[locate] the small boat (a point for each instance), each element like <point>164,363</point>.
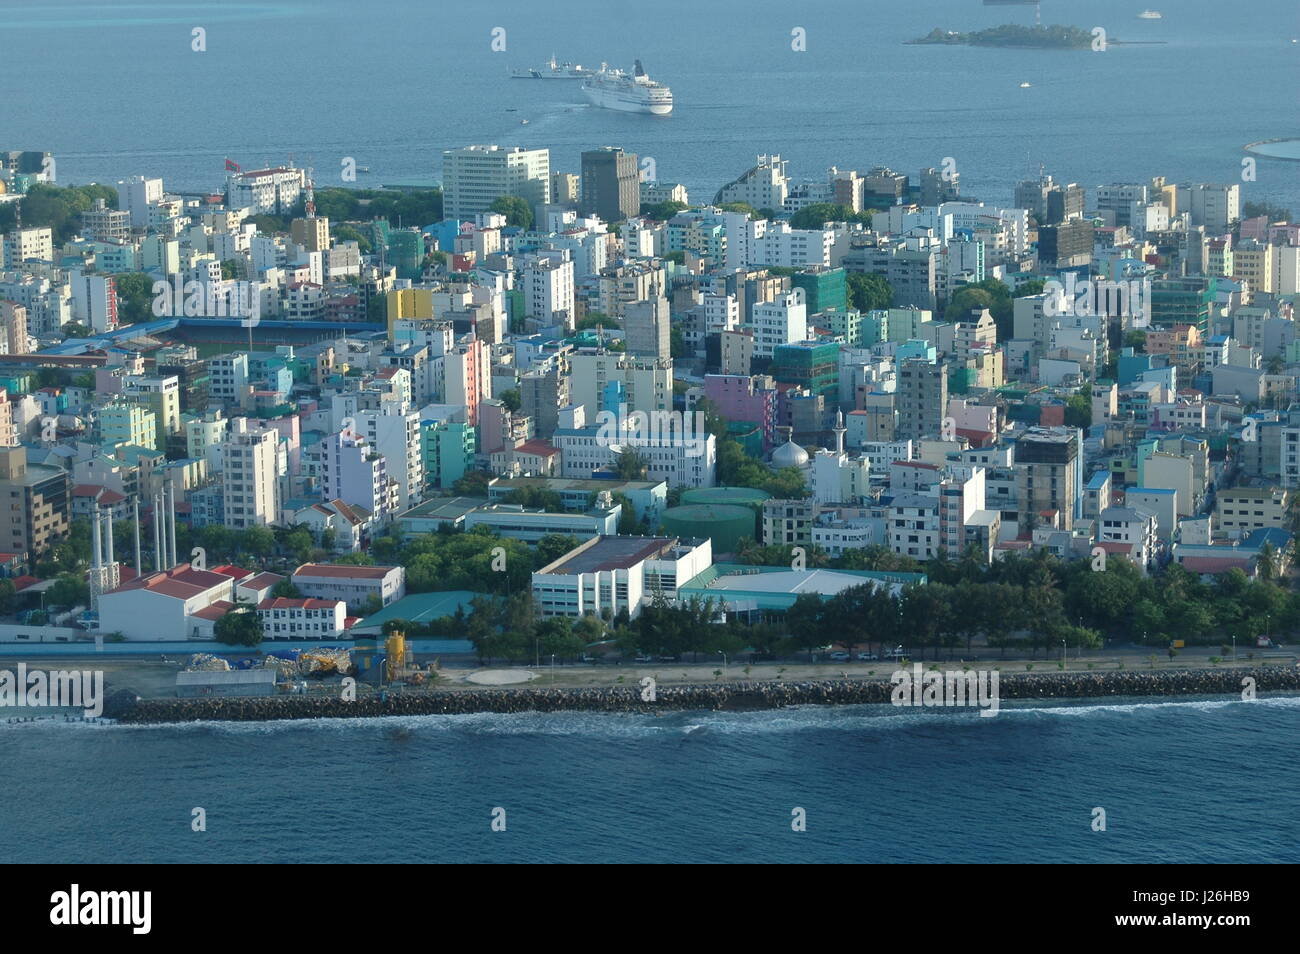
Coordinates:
<point>1026,85</point>
<point>511,109</point>
<point>523,122</point>
<point>1150,15</point>
<point>554,70</point>
<point>363,168</point>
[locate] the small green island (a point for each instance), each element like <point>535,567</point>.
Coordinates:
<point>1011,35</point>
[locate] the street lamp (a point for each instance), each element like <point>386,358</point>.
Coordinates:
<point>552,669</point>
<point>724,661</point>
<point>1062,650</point>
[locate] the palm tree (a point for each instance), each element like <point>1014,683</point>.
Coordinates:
<point>631,464</point>
<point>1268,562</point>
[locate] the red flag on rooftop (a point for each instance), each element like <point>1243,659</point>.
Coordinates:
<point>233,166</point>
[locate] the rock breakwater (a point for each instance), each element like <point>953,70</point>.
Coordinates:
<point>124,707</point>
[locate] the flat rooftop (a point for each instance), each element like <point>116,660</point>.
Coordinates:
<point>609,553</point>
<point>573,483</point>
<point>445,508</point>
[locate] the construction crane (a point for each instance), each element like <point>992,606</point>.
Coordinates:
<point>309,204</point>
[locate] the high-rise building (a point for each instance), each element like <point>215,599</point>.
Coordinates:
<point>883,187</point>
<point>39,500</point>
<point>1214,206</point>
<point>547,284</point>
<point>13,328</point>
<point>566,188</point>
<point>1067,244</point>
<point>473,177</point>
<point>22,245</point>
<point>1123,200</point>
<point>921,399</point>
<point>94,300</point>
<point>1064,203</point>
<point>137,196</point>
<point>764,186</point>
<point>128,422</point>
<point>312,234</point>
<point>647,328</point>
<point>250,482</point>
<point>809,364</point>
<point>228,380</point>
<point>611,184</point>
<point>265,191</point>
<point>352,471</point>
<point>779,322</point>
<point>542,394</point>
<point>395,433</point>
<point>102,224</point>
<point>1047,478</point>
<point>937,187</point>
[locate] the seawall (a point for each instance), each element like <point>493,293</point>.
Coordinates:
<point>123,706</point>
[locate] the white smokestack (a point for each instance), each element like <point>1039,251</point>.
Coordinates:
<point>96,547</point>
<point>157,534</point>
<point>171,521</point>
<point>138,568</point>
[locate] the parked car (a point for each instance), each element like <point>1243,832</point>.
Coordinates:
<point>867,657</point>
<point>644,658</point>
<point>840,656</point>
<point>895,653</point>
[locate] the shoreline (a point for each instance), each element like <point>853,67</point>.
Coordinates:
<point>124,707</point>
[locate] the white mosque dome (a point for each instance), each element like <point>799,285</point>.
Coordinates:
<point>789,454</point>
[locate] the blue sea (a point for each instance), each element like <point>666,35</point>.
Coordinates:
<point>115,88</point>
<point>1179,781</point>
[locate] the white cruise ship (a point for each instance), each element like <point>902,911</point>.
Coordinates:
<point>634,93</point>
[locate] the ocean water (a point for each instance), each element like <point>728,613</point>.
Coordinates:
<point>114,89</point>
<point>1180,781</point>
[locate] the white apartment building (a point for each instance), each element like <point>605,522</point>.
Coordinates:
<point>678,462</point>
<point>250,485</point>
<point>646,383</point>
<point>284,618</point>
<point>913,526</point>
<point>474,177</point>
<point>352,584</point>
<point>395,433</point>
<point>20,245</point>
<point>1212,205</point>
<point>265,191</point>
<point>779,322</point>
<point>228,378</point>
<point>137,196</point>
<point>350,470</point>
<point>610,573</point>
<point>547,286</point>
<point>759,242</point>
<point>1134,528</point>
<point>765,186</point>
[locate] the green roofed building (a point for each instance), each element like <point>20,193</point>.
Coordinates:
<point>724,525</point>
<point>755,592</point>
<point>809,364</point>
<point>825,289</point>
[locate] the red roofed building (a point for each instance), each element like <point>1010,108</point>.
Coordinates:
<point>84,497</point>
<point>284,618</point>
<point>533,458</point>
<point>352,584</point>
<point>254,589</point>
<point>175,604</point>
